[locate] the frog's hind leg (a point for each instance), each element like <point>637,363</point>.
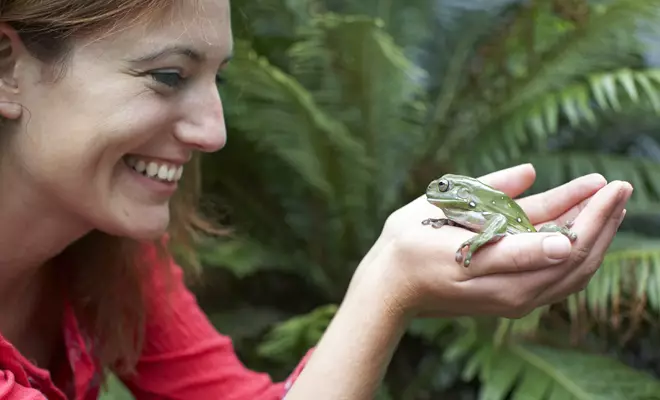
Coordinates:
<point>494,231</point>
<point>437,222</point>
<point>563,229</point>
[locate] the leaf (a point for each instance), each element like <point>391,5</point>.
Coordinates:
<point>246,322</point>
<point>344,61</point>
<point>631,269</point>
<point>538,372</point>
<point>292,338</point>
<point>557,168</point>
<point>115,390</point>
<point>240,255</point>
<point>274,110</point>
<point>617,91</point>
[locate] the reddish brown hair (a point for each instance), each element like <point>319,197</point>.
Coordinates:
<point>104,277</point>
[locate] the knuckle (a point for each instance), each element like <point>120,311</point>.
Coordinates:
<point>589,271</point>
<point>517,313</point>
<point>580,255</point>
<point>521,259</point>
<point>514,304</point>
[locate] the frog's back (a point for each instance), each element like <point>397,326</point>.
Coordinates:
<point>517,220</point>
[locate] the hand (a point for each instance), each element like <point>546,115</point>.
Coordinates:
<point>412,267</point>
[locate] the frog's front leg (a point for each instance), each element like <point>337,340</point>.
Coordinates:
<point>563,229</point>
<point>494,230</point>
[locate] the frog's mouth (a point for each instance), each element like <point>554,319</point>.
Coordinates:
<point>448,202</point>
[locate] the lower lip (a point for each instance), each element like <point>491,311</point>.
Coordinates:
<point>160,187</point>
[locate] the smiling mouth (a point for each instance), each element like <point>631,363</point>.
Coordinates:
<point>158,171</point>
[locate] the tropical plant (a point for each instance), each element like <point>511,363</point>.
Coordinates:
<point>339,112</point>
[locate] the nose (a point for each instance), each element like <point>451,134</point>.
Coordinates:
<point>204,126</point>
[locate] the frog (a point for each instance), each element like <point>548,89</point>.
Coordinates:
<point>469,203</point>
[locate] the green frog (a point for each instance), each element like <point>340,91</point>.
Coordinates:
<point>469,203</point>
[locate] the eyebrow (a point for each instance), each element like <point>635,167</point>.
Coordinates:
<point>176,50</point>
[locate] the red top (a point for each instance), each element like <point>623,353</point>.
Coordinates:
<point>184,357</point>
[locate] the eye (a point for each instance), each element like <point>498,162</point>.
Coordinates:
<point>443,185</point>
<point>170,78</point>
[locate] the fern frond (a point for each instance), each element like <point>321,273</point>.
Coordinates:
<point>579,103</point>
<point>296,335</point>
<point>554,169</point>
<point>345,62</point>
<point>597,47</point>
<point>275,111</point>
<point>562,70</point>
<point>628,279</point>
<point>240,255</point>
<point>526,371</point>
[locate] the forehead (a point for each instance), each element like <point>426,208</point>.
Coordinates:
<point>203,25</point>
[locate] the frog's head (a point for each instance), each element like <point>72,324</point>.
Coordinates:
<point>453,192</point>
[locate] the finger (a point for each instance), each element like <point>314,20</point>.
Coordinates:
<point>508,295</point>
<point>553,203</point>
<point>512,181</point>
<point>579,277</point>
<point>519,253</point>
<point>569,215</point>
<point>600,210</point>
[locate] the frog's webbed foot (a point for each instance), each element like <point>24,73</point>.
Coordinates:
<point>473,244</point>
<point>437,222</point>
<point>563,229</point>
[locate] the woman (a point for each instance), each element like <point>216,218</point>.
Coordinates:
<point>103,103</point>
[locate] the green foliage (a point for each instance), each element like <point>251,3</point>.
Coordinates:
<point>526,371</point>
<point>115,390</point>
<point>294,335</point>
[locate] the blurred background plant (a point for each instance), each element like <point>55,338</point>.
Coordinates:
<point>341,111</point>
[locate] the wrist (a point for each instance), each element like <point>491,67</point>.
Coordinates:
<point>355,350</point>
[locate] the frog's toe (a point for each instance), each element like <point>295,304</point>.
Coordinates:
<point>463,259</point>
<point>572,236</point>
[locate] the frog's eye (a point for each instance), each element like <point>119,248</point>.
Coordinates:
<point>443,185</point>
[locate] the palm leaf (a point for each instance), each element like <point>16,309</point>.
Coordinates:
<point>534,372</point>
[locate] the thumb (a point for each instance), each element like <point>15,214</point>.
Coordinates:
<point>519,253</point>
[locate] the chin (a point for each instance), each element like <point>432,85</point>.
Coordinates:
<point>143,225</point>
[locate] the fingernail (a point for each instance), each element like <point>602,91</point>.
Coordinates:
<point>623,216</point>
<point>557,247</point>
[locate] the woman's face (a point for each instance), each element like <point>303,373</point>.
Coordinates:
<point>107,141</point>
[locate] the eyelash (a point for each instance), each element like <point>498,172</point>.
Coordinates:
<point>167,74</point>
<point>219,80</point>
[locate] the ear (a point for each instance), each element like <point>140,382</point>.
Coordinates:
<point>11,46</point>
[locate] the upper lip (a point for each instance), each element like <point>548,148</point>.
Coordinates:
<point>169,160</point>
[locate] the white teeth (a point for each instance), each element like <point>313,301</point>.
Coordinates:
<point>164,172</point>
<point>152,169</point>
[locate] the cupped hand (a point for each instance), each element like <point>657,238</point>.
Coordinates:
<point>413,269</point>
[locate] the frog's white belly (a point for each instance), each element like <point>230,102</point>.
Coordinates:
<point>474,220</point>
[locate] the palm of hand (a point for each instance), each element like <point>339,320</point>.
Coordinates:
<point>511,277</point>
